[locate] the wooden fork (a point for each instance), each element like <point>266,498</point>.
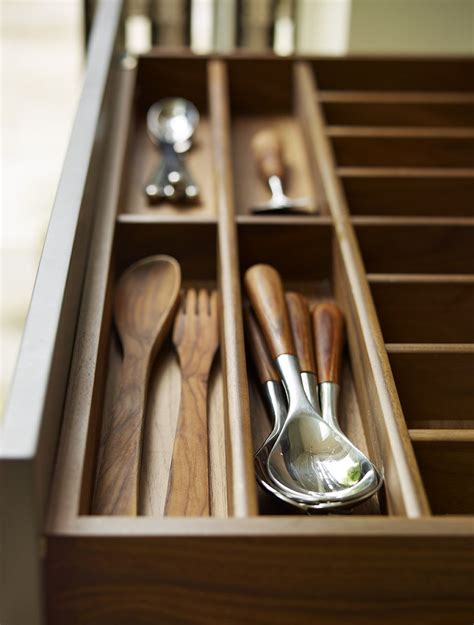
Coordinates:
<point>196,338</point>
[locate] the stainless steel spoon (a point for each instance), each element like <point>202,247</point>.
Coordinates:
<point>171,123</point>
<point>310,459</point>
<point>275,399</point>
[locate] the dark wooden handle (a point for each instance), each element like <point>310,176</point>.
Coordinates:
<point>300,320</point>
<point>261,358</point>
<point>265,290</point>
<point>116,490</point>
<point>328,327</point>
<point>266,148</point>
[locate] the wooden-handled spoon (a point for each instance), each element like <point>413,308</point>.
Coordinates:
<point>300,321</point>
<point>196,338</point>
<point>145,300</point>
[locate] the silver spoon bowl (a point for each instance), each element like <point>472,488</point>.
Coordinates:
<point>171,124</point>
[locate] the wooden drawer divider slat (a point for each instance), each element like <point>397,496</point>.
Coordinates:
<point>244,500</point>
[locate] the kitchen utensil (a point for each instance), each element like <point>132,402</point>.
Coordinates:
<point>267,151</point>
<point>300,322</point>
<point>171,123</point>
<point>276,401</point>
<point>145,299</point>
<point>309,458</point>
<point>196,338</point>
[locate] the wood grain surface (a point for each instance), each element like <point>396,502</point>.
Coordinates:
<point>265,290</point>
<point>300,321</point>
<point>261,358</point>
<point>145,300</point>
<point>268,154</point>
<point>196,338</point>
<point>328,328</point>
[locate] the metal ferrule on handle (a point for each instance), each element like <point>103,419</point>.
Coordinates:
<point>310,385</point>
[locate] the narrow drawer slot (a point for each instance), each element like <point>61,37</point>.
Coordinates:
<point>391,74</point>
<point>434,383</point>
<point>416,246</point>
<point>446,461</point>
<point>378,108</point>
<point>424,308</point>
<point>447,192</point>
<point>402,147</point>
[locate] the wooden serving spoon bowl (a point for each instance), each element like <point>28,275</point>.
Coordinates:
<point>145,300</point>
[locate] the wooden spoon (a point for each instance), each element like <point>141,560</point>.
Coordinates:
<point>145,300</point>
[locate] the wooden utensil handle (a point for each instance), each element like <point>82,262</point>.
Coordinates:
<point>188,485</point>
<point>300,321</point>
<point>328,327</point>
<point>267,151</point>
<point>261,358</point>
<point>116,490</point>
<point>265,290</point>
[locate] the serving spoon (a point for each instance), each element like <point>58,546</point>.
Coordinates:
<point>145,299</point>
<point>275,399</point>
<point>309,459</point>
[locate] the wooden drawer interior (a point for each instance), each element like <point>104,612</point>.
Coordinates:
<point>401,272</point>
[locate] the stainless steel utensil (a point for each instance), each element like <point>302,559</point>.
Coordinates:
<point>267,150</point>
<point>171,123</point>
<point>310,459</point>
<point>275,400</point>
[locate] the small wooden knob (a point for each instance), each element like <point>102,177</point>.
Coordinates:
<point>265,291</point>
<point>267,150</point>
<point>261,358</point>
<point>300,320</point>
<point>328,328</point>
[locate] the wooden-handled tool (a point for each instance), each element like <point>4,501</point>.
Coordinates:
<point>268,153</point>
<point>196,338</point>
<point>145,300</point>
<point>328,325</point>
<point>300,321</point>
<point>261,358</point>
<point>265,290</point>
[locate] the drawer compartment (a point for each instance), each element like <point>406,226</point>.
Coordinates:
<point>318,278</point>
<point>188,79</point>
<point>424,308</point>
<point>402,147</point>
<point>398,109</point>
<point>264,100</point>
<point>434,383</point>
<point>446,461</point>
<point>392,245</point>
<point>410,192</point>
<point>164,389</point>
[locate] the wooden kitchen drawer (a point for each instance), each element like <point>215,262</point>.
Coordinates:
<point>405,554</point>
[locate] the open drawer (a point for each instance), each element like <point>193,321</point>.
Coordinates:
<point>81,568</point>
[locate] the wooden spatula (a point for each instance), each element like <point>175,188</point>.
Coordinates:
<point>196,338</point>
<point>145,300</point>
